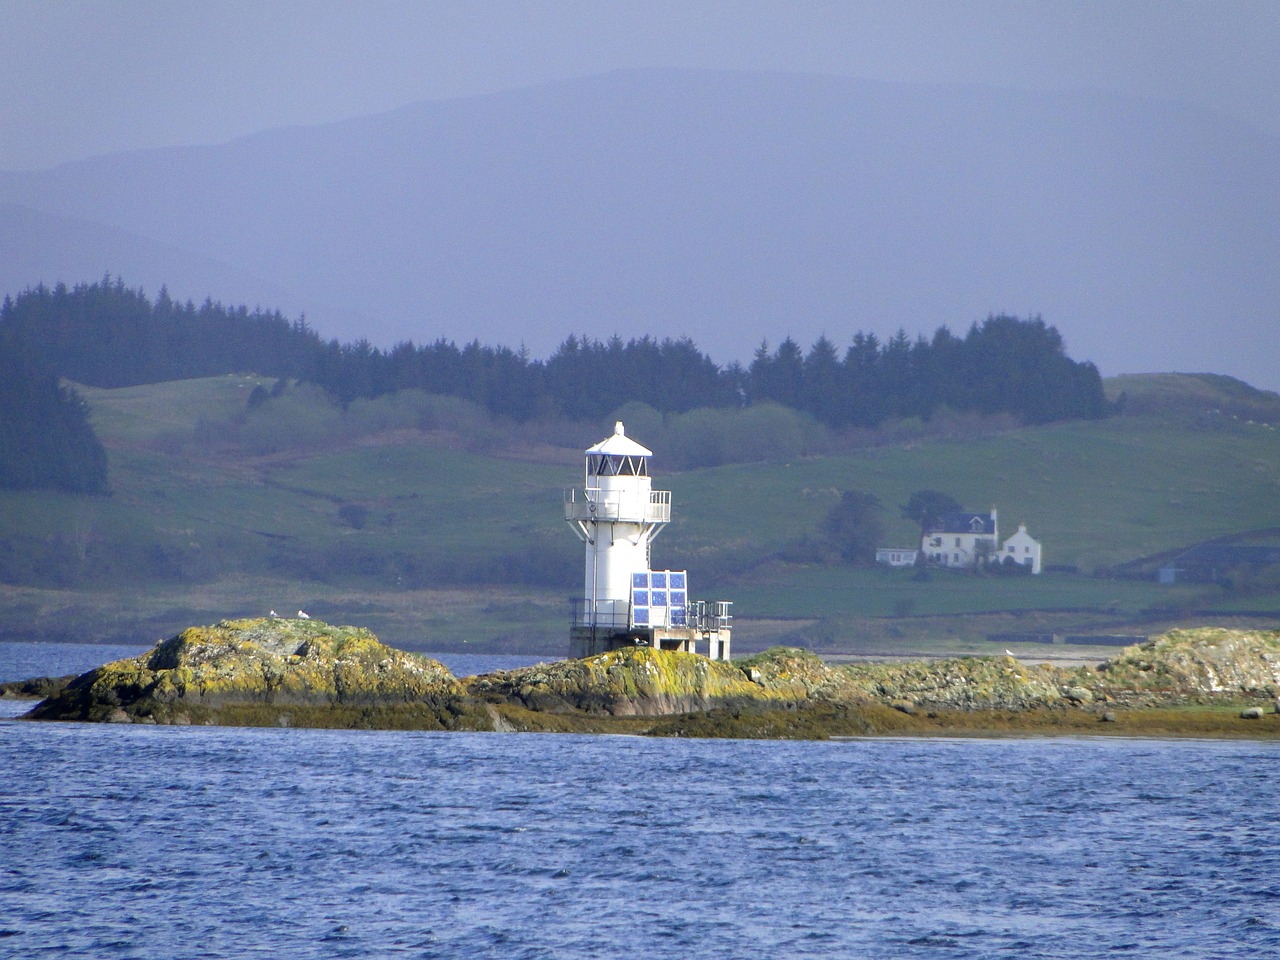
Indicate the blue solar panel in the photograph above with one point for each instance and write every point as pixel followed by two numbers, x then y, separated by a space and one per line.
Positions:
pixel 652 604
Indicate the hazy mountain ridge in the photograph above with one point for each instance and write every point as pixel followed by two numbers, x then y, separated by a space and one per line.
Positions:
pixel 48 248
pixel 729 207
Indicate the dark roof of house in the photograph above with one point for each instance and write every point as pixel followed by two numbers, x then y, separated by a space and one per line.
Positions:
pixel 1226 555
pixel 963 522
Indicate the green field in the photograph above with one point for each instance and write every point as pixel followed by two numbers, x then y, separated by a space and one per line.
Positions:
pixel 1093 493
pixel 416 518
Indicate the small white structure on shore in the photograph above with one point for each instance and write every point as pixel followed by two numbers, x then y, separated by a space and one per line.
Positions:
pixel 897 556
pixel 617 514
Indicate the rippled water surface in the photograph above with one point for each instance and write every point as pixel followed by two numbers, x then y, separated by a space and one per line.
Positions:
pixel 211 842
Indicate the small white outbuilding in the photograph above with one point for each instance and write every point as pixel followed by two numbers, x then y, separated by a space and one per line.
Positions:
pixel 1022 548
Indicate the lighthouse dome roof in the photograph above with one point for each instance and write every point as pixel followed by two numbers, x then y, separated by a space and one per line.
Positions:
pixel 620 445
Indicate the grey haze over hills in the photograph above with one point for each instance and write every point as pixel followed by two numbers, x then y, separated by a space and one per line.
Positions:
pixel 728 207
pixel 51 248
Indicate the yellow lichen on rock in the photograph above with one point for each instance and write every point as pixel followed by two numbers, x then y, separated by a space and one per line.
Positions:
pixel 307 673
pixel 800 675
pixel 259 668
pixel 638 681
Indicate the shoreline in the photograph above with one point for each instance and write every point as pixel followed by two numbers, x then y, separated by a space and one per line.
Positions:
pixel 1204 683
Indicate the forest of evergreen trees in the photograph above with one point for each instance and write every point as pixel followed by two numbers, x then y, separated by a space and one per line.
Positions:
pixel 105 334
pixel 46 441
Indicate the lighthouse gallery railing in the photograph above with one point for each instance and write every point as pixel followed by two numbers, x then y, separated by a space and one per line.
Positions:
pixel 593 504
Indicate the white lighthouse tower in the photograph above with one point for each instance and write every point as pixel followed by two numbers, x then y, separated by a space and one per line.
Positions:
pixel 617 514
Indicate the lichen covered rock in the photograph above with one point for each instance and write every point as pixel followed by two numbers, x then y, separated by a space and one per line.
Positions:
pixel 1205 663
pixel 967 683
pixel 788 672
pixel 270 671
pixel 639 681
pixel 307 673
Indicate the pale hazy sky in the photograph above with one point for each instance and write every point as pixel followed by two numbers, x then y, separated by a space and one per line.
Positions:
pixel 81 77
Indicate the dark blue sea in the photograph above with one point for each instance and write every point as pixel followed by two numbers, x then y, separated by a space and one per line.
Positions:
pixel 201 842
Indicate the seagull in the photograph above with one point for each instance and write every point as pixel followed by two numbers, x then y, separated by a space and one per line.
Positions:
pixel 273 615
pixel 1010 653
pixel 303 615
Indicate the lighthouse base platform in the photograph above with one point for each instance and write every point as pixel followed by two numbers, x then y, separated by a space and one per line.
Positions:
pixel 587 641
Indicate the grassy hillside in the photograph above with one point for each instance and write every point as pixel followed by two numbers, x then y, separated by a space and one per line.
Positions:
pixel 418 518
pixel 1095 493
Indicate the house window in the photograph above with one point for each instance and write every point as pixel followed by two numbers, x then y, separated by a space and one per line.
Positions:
pixel 957 542
pixel 957 556
pixel 1026 549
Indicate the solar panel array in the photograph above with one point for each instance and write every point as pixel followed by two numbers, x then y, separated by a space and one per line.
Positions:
pixel 659 598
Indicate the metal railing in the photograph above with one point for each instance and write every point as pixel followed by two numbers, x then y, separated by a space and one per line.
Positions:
pixel 710 616
pixel 602 614
pixel 591 504
pixel 706 616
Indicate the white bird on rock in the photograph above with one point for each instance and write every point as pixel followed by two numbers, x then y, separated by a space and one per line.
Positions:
pixel 303 615
pixel 273 615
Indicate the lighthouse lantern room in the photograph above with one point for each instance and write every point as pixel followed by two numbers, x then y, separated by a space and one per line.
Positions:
pixel 617 514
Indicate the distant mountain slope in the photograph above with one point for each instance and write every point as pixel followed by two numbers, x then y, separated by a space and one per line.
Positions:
pixel 38 248
pixel 731 207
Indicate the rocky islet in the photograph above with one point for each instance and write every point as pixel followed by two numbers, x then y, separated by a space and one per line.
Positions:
pixel 287 672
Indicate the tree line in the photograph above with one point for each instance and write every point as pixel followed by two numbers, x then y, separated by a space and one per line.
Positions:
pixel 46 441
pixel 108 335
pixel 1003 365
pixel 105 334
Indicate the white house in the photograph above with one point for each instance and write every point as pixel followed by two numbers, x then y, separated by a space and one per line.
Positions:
pixel 1022 548
pixel 961 539
pixel 970 539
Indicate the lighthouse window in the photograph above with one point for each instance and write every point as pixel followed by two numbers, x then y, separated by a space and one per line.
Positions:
pixel 641 615
pixel 659 579
pixel 677 582
pixel 640 580
pixel 677 598
pixel 678 618
pixel 613 465
pixel 659 598
pixel 640 598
